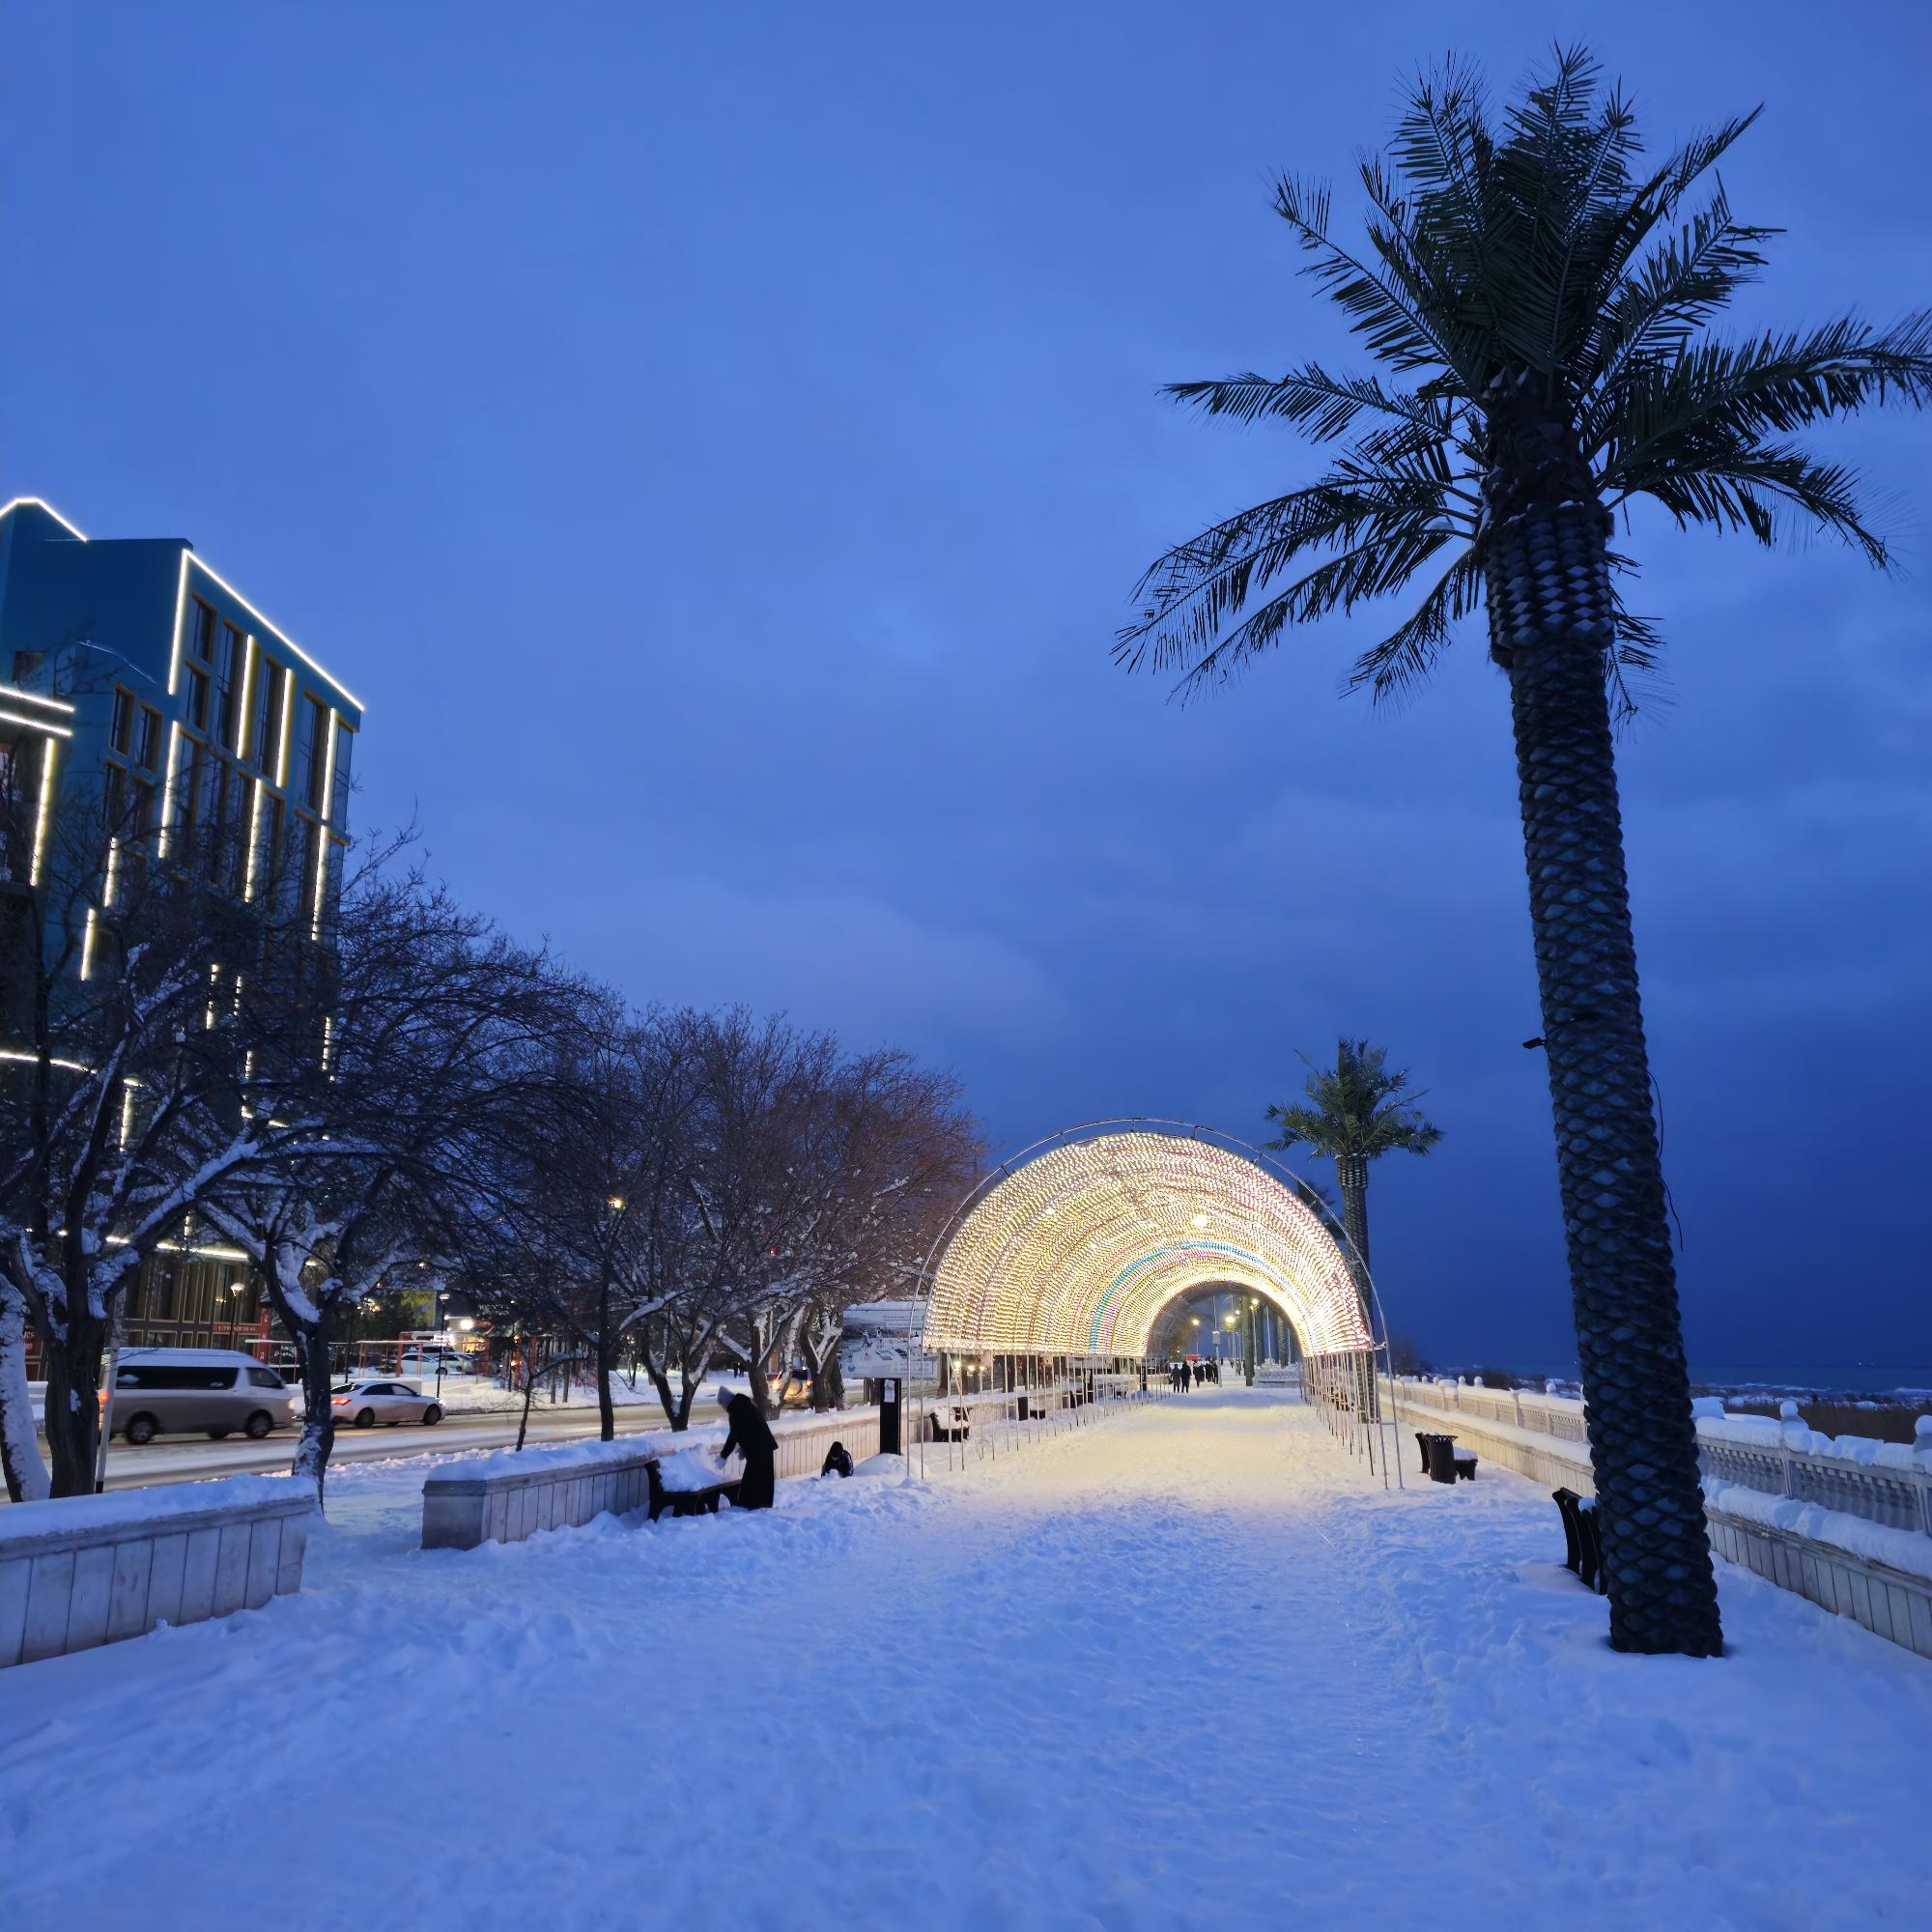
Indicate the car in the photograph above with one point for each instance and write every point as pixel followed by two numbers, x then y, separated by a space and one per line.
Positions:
pixel 368 1403
pixel 449 1363
pixel 215 1391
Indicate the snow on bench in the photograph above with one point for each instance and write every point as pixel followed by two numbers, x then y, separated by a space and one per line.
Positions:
pixel 81 1570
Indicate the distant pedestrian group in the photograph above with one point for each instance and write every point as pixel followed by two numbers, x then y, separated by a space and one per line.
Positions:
pixel 1182 1376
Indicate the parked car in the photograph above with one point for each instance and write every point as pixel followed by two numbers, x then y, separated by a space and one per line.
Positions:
pixel 448 1361
pixel 176 1391
pixel 368 1403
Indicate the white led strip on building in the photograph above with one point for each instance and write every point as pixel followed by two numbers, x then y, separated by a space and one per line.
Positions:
pixel 1077 1251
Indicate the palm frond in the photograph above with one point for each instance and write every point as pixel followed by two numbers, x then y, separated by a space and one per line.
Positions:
pixel 1754 489
pixel 1775 384
pixel 1670 296
pixel 1403 660
pixel 1383 317
pixel 1322 406
pixel 1360 1106
pixel 1372 525
pixel 1541 299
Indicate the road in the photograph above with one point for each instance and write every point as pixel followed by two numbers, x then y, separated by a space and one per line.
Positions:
pixel 180 1459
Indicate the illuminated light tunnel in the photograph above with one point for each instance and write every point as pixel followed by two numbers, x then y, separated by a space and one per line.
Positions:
pixel 1076 1250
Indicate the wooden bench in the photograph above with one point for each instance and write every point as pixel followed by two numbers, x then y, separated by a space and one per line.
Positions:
pixel 1584 1550
pixel 686 1502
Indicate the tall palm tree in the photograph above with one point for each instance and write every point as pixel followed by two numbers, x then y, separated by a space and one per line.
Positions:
pixel 1543 309
pixel 1356 1112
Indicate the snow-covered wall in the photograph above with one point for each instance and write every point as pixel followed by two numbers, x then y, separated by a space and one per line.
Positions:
pixel 82 1571
pixel 508 1497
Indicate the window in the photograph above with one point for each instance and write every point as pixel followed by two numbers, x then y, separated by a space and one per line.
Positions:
pixel 200 629
pixel 315 857
pixel 190 756
pixel 222 804
pixel 230 665
pixel 271 833
pixel 142 816
pixel 264 1378
pixel 338 804
pixel 265 742
pixel 114 796
pixel 121 725
pixel 311 754
pixel 175 1376
pixel 148 744
pixel 197 697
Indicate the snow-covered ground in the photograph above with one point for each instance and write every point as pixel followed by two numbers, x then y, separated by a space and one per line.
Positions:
pixel 1189 1668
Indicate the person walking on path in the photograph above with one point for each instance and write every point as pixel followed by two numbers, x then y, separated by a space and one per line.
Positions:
pixel 751 1437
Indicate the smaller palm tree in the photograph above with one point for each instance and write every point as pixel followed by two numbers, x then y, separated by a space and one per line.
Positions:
pixel 1356 1112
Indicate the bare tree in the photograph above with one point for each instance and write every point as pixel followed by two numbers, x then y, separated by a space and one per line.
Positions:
pixel 133 989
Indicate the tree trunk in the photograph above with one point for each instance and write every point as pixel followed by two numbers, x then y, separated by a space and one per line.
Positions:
pixel 72 1410
pixel 26 1475
pixel 1549 594
pixel 1351 1176
pixel 606 1413
pixel 318 1437
pixel 761 1388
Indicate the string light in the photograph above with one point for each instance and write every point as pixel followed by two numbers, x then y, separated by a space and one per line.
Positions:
pixel 1078 1251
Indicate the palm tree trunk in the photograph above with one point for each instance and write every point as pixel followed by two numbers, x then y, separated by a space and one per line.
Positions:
pixel 1549 596
pixel 1351 1176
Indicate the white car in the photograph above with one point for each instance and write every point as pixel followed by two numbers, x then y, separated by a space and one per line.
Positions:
pixel 368 1403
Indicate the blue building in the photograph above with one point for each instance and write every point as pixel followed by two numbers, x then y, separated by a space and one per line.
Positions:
pixel 136 677
pixel 144 701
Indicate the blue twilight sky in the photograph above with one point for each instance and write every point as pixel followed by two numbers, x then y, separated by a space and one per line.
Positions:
pixel 716 443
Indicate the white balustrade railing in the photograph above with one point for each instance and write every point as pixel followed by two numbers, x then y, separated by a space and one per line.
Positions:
pixel 1842 1520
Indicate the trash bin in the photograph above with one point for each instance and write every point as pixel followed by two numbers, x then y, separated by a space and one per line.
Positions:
pixel 1439 1455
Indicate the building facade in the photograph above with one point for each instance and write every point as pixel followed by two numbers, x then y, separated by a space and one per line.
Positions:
pixel 138 687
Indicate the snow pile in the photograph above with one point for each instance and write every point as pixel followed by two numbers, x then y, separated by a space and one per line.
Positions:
pixel 134 1508
pixel 1191 1668
pixel 561 1459
pixel 1909 1550
pixel 692 1470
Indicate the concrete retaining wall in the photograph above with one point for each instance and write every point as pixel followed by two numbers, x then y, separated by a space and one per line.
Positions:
pixel 89 1569
pixel 1889 1602
pixel 506 1497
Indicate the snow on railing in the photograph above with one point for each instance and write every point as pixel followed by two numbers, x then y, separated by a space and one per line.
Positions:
pixel 1888 1483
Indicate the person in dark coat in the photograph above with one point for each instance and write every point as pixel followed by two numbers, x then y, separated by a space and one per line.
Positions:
pixel 753 1439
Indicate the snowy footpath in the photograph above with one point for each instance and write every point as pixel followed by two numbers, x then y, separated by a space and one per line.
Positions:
pixel 1192 1667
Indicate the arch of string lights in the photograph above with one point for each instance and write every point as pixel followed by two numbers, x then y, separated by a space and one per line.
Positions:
pixel 1079 1249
